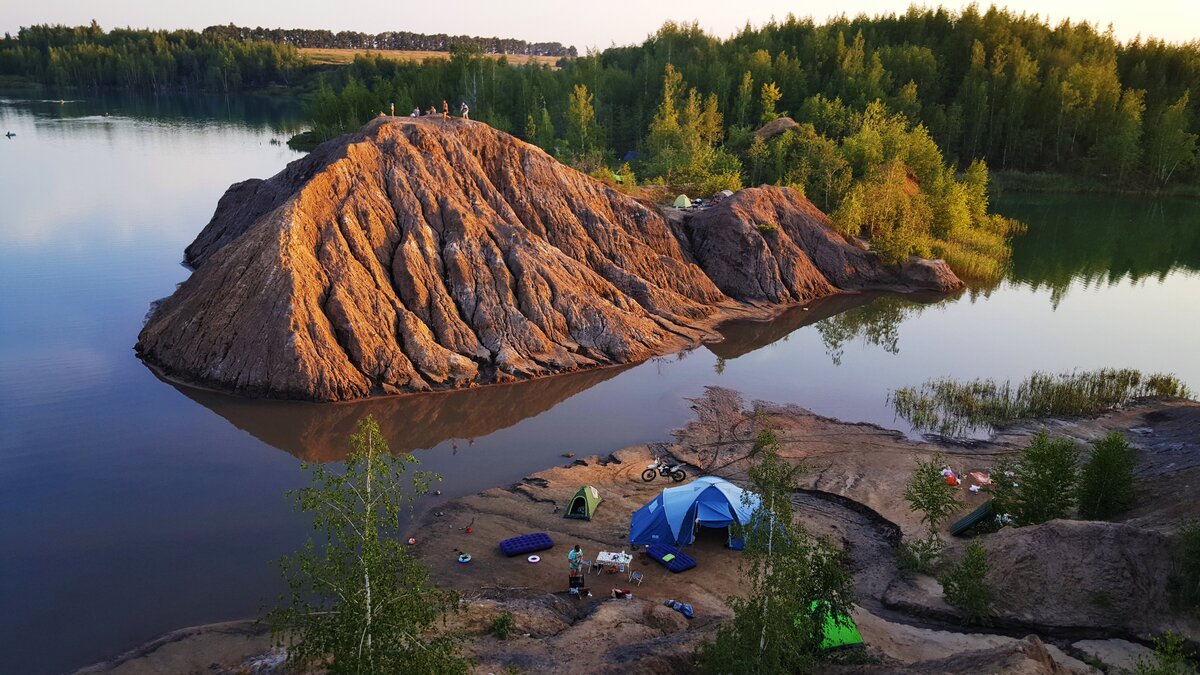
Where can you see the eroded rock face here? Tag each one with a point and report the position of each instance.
(420, 254)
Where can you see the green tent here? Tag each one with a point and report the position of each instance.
(976, 517)
(840, 631)
(583, 504)
(682, 202)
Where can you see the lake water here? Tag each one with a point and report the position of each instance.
(130, 507)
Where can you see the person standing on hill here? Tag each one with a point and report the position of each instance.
(464, 110)
(445, 110)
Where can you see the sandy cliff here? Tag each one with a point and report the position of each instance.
(419, 255)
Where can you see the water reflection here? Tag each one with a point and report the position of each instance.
(873, 317)
(318, 431)
(1101, 240)
(282, 114)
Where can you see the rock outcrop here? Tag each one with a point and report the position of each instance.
(420, 254)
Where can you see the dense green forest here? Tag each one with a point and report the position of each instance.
(348, 39)
(89, 57)
(897, 118)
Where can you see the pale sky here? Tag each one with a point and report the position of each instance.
(597, 23)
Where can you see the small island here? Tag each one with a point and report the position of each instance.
(422, 254)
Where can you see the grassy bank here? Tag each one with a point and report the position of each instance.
(1061, 183)
(955, 408)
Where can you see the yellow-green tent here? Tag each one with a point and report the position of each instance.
(682, 202)
(583, 504)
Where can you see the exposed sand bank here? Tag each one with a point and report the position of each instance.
(853, 494)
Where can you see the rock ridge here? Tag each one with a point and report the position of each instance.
(420, 254)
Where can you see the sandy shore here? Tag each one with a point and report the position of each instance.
(853, 494)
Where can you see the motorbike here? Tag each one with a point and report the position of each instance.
(660, 467)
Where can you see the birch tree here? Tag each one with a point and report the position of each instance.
(796, 581)
(357, 600)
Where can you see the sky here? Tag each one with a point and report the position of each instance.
(599, 23)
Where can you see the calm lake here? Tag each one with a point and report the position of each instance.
(130, 507)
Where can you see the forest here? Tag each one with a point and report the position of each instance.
(891, 124)
(403, 40)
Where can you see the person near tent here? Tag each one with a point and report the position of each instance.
(432, 110)
(574, 560)
(445, 110)
(416, 112)
(464, 111)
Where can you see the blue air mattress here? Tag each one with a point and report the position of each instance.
(526, 543)
(679, 563)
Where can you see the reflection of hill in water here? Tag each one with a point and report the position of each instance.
(1101, 239)
(319, 431)
(874, 317)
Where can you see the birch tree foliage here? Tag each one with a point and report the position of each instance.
(796, 582)
(357, 600)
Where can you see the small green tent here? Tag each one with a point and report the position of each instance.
(583, 504)
(682, 202)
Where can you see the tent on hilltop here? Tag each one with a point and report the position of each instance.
(682, 202)
(672, 517)
(583, 504)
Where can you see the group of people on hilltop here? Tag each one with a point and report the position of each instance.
(463, 111)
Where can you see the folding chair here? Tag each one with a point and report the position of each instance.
(585, 566)
(636, 576)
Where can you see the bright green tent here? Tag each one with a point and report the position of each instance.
(840, 632)
(682, 202)
(583, 504)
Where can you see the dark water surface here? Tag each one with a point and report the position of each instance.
(130, 507)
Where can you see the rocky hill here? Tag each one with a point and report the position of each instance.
(422, 254)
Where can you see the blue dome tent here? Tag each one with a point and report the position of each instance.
(671, 517)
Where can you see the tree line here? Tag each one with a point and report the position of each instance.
(403, 40)
(1008, 89)
(89, 57)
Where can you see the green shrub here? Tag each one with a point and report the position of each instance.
(928, 493)
(1106, 484)
(1186, 583)
(501, 625)
(965, 585)
(766, 228)
(1169, 658)
(920, 555)
(1041, 484)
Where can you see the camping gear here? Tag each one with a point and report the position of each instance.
(583, 504)
(671, 558)
(613, 562)
(464, 557)
(972, 519)
(526, 543)
(981, 478)
(736, 543)
(681, 607)
(636, 576)
(723, 194)
(682, 202)
(661, 467)
(534, 559)
(839, 631)
(576, 582)
(671, 517)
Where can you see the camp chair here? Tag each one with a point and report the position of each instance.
(585, 566)
(636, 576)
